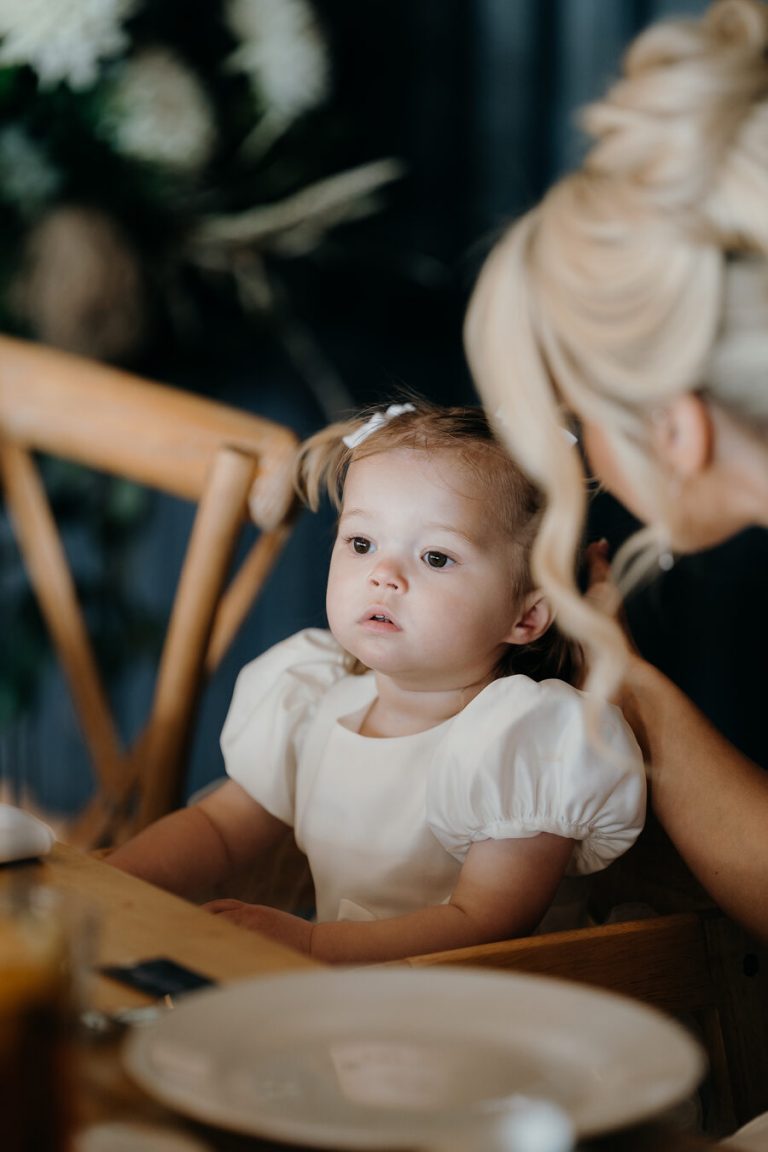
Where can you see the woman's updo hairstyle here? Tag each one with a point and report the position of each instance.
(640, 276)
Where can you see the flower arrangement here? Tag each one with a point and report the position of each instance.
(151, 152)
(148, 147)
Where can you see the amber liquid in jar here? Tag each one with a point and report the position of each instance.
(35, 1020)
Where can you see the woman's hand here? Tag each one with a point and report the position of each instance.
(281, 926)
(602, 591)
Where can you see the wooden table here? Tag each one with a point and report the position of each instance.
(137, 921)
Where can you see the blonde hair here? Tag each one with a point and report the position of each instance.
(465, 433)
(639, 277)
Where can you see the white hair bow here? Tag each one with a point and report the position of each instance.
(377, 420)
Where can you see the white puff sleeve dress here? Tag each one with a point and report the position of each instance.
(387, 823)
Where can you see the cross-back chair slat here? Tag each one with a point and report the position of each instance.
(234, 465)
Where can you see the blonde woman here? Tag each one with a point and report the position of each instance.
(634, 300)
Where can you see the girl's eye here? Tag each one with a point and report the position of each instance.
(437, 560)
(360, 545)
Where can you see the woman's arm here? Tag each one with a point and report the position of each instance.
(711, 800)
(504, 889)
(195, 850)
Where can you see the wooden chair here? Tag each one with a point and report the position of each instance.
(697, 966)
(234, 465)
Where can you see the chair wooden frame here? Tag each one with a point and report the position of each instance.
(698, 966)
(233, 464)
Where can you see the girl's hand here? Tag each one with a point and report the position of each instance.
(281, 926)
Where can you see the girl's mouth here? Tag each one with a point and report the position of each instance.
(380, 622)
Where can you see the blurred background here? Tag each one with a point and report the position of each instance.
(283, 204)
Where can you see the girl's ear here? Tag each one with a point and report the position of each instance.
(533, 620)
(683, 435)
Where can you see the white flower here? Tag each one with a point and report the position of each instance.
(159, 113)
(283, 52)
(63, 40)
(27, 177)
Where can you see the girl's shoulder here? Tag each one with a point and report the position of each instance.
(508, 699)
(295, 672)
(531, 756)
(310, 654)
(547, 720)
(275, 700)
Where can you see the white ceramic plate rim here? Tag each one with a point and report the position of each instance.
(648, 1061)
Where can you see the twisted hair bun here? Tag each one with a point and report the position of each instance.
(691, 108)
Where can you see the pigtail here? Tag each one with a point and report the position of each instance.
(321, 464)
(322, 460)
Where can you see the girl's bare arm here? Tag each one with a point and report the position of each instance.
(195, 850)
(504, 889)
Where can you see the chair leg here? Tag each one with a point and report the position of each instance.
(740, 971)
(716, 1093)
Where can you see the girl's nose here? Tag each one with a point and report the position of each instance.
(388, 575)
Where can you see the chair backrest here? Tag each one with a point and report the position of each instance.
(696, 966)
(234, 465)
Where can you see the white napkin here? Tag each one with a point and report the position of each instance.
(22, 835)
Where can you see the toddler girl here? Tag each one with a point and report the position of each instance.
(439, 778)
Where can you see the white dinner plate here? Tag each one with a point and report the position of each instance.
(390, 1058)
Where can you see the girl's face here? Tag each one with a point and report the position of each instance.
(420, 584)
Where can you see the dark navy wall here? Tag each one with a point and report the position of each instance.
(479, 99)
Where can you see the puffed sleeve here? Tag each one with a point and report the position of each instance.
(274, 701)
(526, 757)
